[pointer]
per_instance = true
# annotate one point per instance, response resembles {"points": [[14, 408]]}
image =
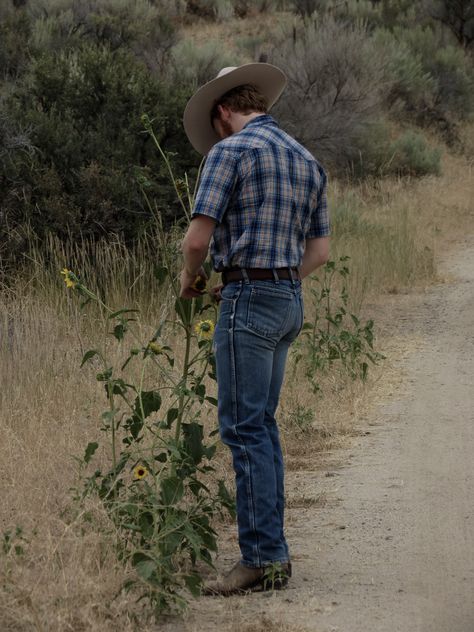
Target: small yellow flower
{"points": [[199, 284], [155, 347], [139, 472], [68, 278], [204, 329]]}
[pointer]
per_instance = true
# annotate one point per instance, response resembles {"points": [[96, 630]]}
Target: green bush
{"points": [[218, 10], [243, 8], [14, 34], [380, 155], [83, 111], [308, 7], [135, 24], [450, 68], [412, 86], [413, 156], [388, 13], [457, 16], [193, 65]]}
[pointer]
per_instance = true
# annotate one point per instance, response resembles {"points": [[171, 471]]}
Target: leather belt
{"points": [[260, 274]]}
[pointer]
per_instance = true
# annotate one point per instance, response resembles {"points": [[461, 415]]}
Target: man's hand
{"points": [[215, 293], [193, 285], [195, 246]]}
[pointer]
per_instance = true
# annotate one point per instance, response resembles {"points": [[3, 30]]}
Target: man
{"points": [[262, 201]]}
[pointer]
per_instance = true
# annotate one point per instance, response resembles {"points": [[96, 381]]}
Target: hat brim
{"points": [[268, 79]]}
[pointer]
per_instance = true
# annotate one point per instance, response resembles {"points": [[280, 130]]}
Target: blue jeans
{"points": [[258, 321]]}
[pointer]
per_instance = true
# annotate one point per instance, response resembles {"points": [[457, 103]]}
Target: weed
{"points": [[153, 486], [334, 334]]}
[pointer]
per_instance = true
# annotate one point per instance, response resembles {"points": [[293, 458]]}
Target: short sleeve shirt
{"points": [[267, 194]]}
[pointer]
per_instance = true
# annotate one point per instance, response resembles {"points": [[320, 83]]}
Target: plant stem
{"points": [[186, 365], [112, 424], [170, 171]]}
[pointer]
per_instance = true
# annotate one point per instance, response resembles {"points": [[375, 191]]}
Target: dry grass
{"points": [[67, 577]]}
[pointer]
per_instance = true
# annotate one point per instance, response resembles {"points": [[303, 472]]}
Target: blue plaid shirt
{"points": [[267, 194]]}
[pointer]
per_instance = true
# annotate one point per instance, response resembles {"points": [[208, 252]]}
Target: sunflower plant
{"points": [[154, 472], [335, 334]]}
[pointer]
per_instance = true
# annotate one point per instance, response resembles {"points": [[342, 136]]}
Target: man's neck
{"points": [[239, 121]]}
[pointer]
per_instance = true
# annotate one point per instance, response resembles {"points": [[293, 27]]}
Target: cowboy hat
{"points": [[268, 79]]}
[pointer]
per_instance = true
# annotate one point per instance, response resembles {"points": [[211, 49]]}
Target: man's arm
{"points": [[195, 247], [316, 254]]}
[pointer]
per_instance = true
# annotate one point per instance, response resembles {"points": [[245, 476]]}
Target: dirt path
{"points": [[405, 561], [392, 548]]}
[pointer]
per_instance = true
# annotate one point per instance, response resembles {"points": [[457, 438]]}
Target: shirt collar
{"points": [[263, 119]]}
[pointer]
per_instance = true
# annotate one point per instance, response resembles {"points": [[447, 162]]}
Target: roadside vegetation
{"points": [[113, 479]]}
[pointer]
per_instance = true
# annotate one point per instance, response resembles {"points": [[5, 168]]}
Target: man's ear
{"points": [[224, 112]]}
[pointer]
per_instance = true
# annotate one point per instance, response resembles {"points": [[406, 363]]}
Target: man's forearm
{"points": [[315, 255], [194, 259]]}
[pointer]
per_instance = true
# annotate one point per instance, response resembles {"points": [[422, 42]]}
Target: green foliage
{"points": [[83, 111], [458, 16], [157, 487], [15, 30], [301, 418], [218, 10], [244, 8], [411, 84], [308, 7], [195, 65], [388, 13], [409, 154], [137, 25], [334, 335], [14, 542], [449, 75]]}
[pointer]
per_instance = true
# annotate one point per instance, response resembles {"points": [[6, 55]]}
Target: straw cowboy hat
{"points": [[268, 79]]}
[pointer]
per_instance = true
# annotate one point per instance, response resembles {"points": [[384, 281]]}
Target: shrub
{"points": [[243, 8], [14, 33], [83, 109], [137, 25], [388, 13], [193, 65], [412, 86], [458, 16], [380, 154], [336, 86], [449, 67], [413, 156], [308, 7], [218, 10]]}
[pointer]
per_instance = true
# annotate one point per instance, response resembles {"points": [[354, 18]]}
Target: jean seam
{"points": [[235, 412]]}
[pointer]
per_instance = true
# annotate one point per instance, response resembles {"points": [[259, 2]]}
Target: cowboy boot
{"points": [[242, 579]]}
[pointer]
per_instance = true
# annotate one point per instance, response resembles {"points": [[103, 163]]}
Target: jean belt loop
{"points": [[292, 276], [275, 276], [245, 275]]}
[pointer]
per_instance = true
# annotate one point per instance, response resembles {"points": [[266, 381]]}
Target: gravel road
{"points": [[405, 559]]}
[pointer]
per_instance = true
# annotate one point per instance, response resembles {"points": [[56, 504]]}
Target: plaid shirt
{"points": [[267, 194]]}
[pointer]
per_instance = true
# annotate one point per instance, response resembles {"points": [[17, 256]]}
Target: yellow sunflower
{"points": [[155, 347], [140, 471], [199, 284], [69, 278], [204, 329]]}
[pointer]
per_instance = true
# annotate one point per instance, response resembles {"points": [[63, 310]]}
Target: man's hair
{"points": [[243, 99]]}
